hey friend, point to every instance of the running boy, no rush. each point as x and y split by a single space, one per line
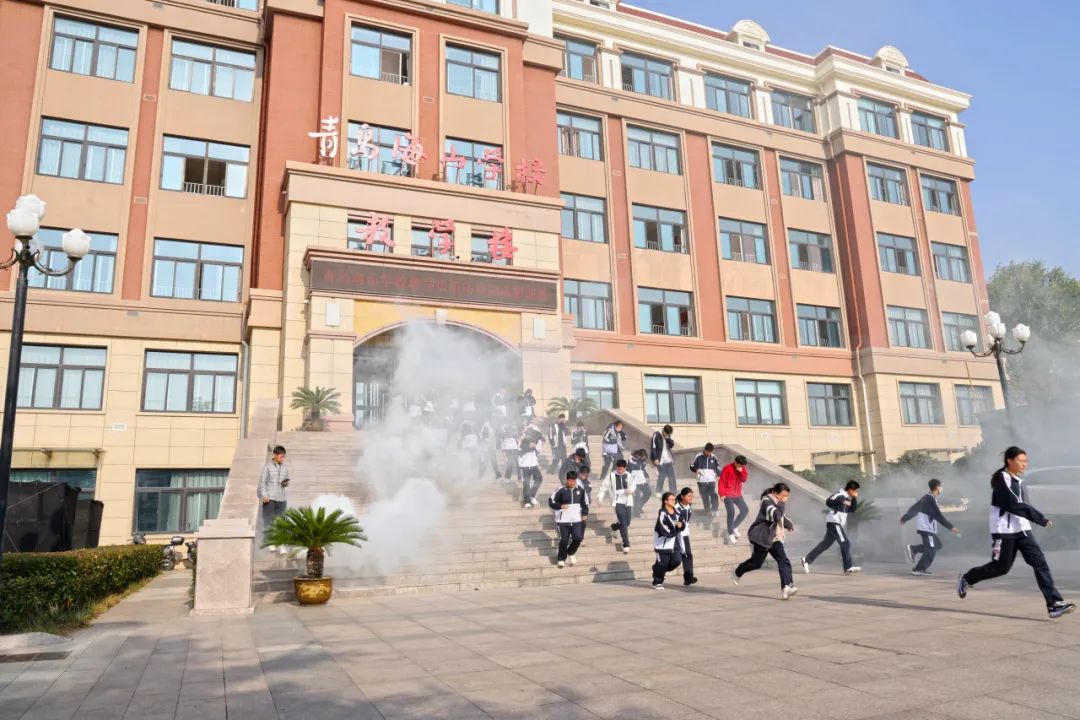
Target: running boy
766 536
623 488
639 477
840 504
686 512
571 506
929 517
666 540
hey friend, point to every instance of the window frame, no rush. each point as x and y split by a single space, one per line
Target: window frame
214 64
379 136
827 403
808 111
719 86
732 170
914 401
56 475
568 54
204 188
182 491
908 322
748 320
797 243
200 267
190 374
404 77
28 372
84 145
666 307
475 68
473 159
672 395
577 214
828 321
651 68
888 189
591 391
950 261
476 5
741 398
96 45
810 186
972 411
570 136
660 219
574 300
874 113
53 256
944 199
353 242
919 124
635 146
745 232
890 254
954 325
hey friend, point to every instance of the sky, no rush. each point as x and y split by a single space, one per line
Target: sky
1020 62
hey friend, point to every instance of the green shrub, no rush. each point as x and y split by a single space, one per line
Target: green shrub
37 586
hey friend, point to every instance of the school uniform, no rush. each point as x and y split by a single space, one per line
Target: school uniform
529 469
498 405
557 440
639 478
579 440
510 448
1011 518
928 516
666 545
487 449
469 443
686 513
766 535
622 502
835 528
707 469
660 453
528 406
571 463
730 487
612 443
571 533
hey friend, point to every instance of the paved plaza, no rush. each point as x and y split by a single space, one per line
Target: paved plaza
880 645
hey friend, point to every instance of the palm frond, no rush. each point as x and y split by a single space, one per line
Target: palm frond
313 529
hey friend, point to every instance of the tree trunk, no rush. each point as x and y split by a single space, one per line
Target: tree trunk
315 559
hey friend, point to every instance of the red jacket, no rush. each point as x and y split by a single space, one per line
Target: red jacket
731 481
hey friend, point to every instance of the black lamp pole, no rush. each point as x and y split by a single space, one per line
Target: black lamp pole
999 351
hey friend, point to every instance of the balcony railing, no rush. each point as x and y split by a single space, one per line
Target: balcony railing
395 78
204 189
238 4
745 257
684 330
676 248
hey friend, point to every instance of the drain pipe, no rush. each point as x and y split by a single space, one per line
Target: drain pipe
245 364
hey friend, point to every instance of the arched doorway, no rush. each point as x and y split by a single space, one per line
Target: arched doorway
420 362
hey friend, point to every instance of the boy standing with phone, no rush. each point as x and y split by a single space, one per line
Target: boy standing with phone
272 483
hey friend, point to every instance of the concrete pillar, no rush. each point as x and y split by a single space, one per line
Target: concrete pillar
223 574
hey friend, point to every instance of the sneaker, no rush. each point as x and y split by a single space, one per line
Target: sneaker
788 591
626 549
573 560
853 570
1060 608
915 571
805 566
657 586
731 539
961 586
271 548
736 534
614 527
659 495
689 582
734 578
562 564
910 555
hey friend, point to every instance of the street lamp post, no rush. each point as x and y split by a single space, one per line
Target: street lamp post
996 340
23 222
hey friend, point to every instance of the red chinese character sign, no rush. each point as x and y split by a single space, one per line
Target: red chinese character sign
531 171
501 245
377 230
327 136
409 151
450 159
365 149
492 161
443 231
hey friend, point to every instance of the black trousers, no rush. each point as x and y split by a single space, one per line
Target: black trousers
1003 554
837 534
666 561
511 464
642 493
609 463
622 513
931 543
666 471
730 505
531 478
710 501
558 456
758 558
570 537
687 559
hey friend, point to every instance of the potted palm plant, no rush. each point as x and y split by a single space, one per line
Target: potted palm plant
571 407
316 402
315 530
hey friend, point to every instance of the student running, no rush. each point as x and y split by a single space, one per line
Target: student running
707 469
666 540
623 490
660 454
929 516
571 506
686 512
766 535
841 504
638 467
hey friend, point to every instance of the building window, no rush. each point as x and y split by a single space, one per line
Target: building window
589 303
380 55
583 218
93 274
820 326
52 377
897 254
579 136
83 480
422 242
364 235
82 152
491 6
877 117
743 242
972 401
206 168
908 327
830 405
951 262
382 138
930 131
189 382
475 172
600 387
955 324
793 111
939 195
920 404
472 73
802 179
579 60
760 402
197 271
660 229
208 70
672 399
887 184
647 76
480 245
735 166
171 501
239 4
810 251
751 320
651 150
86 48
727 95
665 312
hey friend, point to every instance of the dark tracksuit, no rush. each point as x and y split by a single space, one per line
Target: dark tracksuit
836 528
612 443
570 533
642 492
685 513
557 439
666 545
665 470
509 446
622 503
529 468
1010 529
579 439
763 542
571 463
707 469
929 517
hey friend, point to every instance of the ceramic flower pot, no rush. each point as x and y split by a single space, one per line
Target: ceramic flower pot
313 591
